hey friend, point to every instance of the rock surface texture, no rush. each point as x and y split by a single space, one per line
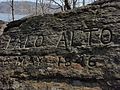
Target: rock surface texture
75 50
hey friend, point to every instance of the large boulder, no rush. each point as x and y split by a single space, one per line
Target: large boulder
74 50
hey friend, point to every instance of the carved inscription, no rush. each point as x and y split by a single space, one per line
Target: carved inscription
65 39
83 60
106 36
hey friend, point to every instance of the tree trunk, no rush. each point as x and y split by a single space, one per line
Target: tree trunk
12 6
67 6
74 3
36 7
83 2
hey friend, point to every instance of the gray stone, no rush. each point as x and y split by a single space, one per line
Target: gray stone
80 48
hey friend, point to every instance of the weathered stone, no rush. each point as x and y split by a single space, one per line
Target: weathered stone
79 48
2 27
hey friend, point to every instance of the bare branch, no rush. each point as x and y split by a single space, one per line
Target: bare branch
56 3
60 6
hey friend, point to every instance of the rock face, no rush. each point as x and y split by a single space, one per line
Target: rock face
75 50
2 27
